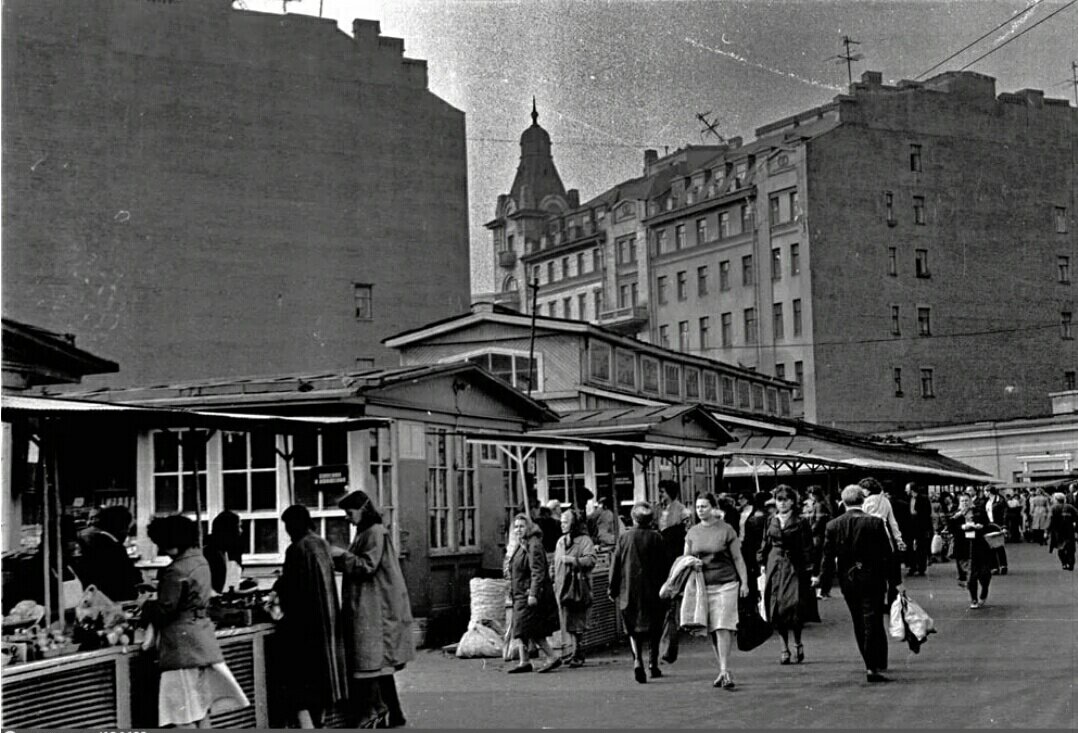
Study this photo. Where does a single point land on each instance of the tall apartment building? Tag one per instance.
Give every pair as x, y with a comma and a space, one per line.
904, 252
200, 191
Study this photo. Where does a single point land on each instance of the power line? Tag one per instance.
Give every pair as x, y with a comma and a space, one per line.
974, 43
1016, 36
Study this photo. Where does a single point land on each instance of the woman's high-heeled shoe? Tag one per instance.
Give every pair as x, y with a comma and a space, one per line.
785, 657
800, 655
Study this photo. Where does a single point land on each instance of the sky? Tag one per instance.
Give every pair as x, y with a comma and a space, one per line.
614, 77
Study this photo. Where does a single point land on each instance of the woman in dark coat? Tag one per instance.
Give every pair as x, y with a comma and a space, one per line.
1062, 529
637, 571
820, 515
224, 551
968, 526
312, 646
195, 681
535, 611
787, 555
375, 614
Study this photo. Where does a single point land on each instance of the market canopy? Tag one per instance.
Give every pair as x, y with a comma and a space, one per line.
674, 429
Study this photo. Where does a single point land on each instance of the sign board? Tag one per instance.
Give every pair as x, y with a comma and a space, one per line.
327, 478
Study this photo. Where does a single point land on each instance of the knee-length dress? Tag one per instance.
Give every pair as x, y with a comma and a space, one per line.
787, 556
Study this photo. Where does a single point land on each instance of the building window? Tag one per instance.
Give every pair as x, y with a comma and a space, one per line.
634, 295
797, 317
921, 263
758, 398
550, 271
582, 307
711, 388
924, 321
799, 377
623, 296
926, 383
649, 374
726, 327
795, 205
724, 224
701, 231
892, 261
780, 371
249, 487
600, 361
746, 218
671, 380
724, 275
363, 295
330, 448
747, 276
683, 336
701, 281
777, 322
1070, 380
660, 242
889, 205
581, 265
679, 237
565, 474
705, 327
175, 456
626, 250
896, 321
567, 305
776, 263
772, 400
682, 285
915, 158
692, 384
750, 325
784, 403
728, 391
597, 298
625, 369
1065, 325
795, 259
452, 493
896, 377
515, 369
552, 309
1061, 220
664, 336
1063, 265
660, 283
565, 273
918, 209
744, 395
773, 211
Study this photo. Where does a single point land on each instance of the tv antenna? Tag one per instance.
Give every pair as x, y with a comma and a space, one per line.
848, 57
710, 126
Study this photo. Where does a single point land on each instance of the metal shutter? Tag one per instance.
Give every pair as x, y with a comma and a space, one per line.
604, 625
82, 697
241, 662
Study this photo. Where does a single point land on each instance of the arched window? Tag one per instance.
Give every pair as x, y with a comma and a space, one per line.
510, 285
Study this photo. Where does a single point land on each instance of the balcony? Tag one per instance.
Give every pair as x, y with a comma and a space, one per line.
628, 321
507, 258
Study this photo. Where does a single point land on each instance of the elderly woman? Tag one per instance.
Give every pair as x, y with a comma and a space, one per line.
718, 551
535, 612
787, 555
310, 630
574, 557
375, 614
637, 571
195, 681
1062, 529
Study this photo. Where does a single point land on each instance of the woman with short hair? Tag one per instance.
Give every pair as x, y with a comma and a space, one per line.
574, 556
787, 555
717, 548
195, 681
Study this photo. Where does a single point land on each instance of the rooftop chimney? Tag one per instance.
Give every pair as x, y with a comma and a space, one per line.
650, 157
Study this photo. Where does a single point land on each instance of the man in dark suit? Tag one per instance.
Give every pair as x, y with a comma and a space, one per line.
856, 546
921, 529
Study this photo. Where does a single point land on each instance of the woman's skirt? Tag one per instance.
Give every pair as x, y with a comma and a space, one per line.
722, 607
574, 619
187, 696
535, 622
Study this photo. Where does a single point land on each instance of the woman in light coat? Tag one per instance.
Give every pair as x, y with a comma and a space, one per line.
1039, 516
375, 614
574, 555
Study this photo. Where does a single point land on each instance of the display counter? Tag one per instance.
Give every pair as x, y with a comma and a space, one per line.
116, 687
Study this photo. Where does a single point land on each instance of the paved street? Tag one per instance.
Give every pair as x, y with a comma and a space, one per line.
1011, 664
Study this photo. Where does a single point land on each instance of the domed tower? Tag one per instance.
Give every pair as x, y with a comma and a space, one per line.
536, 193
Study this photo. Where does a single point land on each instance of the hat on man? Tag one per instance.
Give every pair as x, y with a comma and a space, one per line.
354, 500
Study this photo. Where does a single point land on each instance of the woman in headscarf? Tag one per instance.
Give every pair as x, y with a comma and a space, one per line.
376, 615
224, 551
787, 555
574, 556
717, 548
195, 681
637, 571
535, 611
312, 647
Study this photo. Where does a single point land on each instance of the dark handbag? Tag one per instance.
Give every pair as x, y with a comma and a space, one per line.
752, 629
572, 590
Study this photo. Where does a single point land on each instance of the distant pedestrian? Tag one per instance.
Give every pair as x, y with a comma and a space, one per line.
820, 514
637, 571
856, 546
921, 529
1063, 530
787, 555
1013, 514
574, 558
550, 527
1038, 516
716, 546
673, 512
602, 524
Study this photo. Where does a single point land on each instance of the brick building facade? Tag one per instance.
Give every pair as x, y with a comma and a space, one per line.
202, 191
904, 252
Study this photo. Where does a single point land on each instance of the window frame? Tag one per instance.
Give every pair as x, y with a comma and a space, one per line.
920, 216
928, 389
778, 322
704, 325
797, 317
363, 297
724, 275
896, 320
682, 280
750, 325
460, 464
924, 320
671, 376
701, 281
1063, 269
921, 263
683, 336
776, 264
748, 273
650, 364
795, 259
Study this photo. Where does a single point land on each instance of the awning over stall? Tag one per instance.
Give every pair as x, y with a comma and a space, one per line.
650, 429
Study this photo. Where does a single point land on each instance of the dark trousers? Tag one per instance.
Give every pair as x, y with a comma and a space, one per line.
865, 601
974, 580
373, 698
669, 643
920, 544
649, 638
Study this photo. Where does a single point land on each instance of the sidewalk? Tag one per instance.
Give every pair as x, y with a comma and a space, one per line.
1011, 664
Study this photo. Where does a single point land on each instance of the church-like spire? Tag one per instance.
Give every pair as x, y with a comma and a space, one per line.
537, 176
535, 112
